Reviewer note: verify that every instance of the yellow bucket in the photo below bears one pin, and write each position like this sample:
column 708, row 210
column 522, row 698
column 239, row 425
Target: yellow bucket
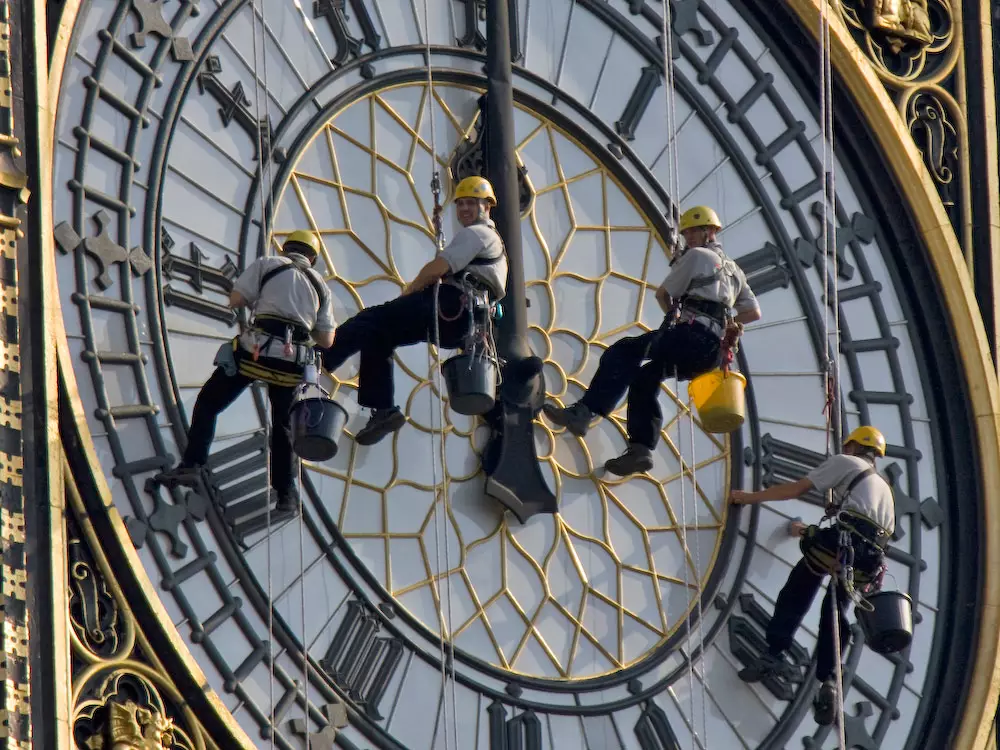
column 719, row 399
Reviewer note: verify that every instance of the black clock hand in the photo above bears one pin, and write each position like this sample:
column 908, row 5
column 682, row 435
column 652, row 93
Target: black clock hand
column 514, row 477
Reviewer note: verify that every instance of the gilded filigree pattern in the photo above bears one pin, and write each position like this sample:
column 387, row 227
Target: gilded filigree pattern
column 123, row 698
column 602, row 584
column 93, row 611
column 127, row 712
column 916, row 48
column 908, row 41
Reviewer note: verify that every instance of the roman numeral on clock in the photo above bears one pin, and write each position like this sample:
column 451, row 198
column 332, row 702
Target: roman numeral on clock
column 747, row 643
column 200, row 277
column 784, row 462
column 361, row 662
column 765, row 269
column 638, row 102
column 653, row 729
column 520, row 732
column 335, row 12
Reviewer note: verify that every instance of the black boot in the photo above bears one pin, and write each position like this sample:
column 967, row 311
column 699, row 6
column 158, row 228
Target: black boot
column 635, row 460
column 382, row 422
column 575, row 418
column 766, row 665
column 288, row 501
column 184, row 474
column 825, row 704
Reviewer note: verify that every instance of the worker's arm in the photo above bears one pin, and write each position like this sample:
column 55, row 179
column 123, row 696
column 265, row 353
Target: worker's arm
column 786, row 491
column 747, row 316
column 237, row 300
column 323, row 332
column 324, row 339
column 431, row 272
column 663, row 300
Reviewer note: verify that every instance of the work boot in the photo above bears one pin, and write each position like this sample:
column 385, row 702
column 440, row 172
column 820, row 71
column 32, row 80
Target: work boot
column 381, row 423
column 575, row 418
column 635, row 460
column 766, row 665
column 288, row 501
column 825, row 704
column 185, row 474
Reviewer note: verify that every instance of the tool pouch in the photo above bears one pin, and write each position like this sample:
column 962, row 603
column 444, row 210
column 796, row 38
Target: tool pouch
column 226, row 357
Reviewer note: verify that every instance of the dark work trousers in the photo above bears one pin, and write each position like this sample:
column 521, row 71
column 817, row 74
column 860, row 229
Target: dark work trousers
column 796, row 598
column 218, row 393
column 691, row 348
column 377, row 331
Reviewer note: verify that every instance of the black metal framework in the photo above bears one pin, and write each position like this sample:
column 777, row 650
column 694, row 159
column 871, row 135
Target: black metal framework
column 789, row 262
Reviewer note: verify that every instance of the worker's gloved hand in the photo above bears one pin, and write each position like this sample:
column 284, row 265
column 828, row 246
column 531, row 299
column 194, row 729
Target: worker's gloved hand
column 731, row 337
column 675, row 243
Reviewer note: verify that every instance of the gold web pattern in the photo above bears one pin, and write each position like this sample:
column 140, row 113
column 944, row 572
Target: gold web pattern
column 598, row 586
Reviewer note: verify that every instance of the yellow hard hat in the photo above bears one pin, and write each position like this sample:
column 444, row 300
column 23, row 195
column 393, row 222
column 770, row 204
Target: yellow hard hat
column 476, row 187
column 302, row 237
column 868, row 436
column 699, row 216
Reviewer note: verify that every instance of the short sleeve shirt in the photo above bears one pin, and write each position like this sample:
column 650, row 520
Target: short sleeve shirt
column 871, row 497
column 479, row 242
column 289, row 295
column 706, row 273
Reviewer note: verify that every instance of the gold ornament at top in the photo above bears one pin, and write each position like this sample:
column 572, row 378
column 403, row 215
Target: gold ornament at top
column 132, row 727
column 902, row 22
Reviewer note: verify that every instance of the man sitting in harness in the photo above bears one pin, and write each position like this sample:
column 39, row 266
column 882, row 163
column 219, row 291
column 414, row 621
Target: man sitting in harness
column 473, row 274
column 865, row 520
column 696, row 298
column 293, row 312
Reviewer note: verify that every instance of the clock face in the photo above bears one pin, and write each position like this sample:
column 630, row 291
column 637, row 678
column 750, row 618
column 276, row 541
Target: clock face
column 622, row 620
column 599, row 586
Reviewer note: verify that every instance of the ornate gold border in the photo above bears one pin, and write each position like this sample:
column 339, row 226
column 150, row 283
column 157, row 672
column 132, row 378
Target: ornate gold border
column 938, row 235
column 990, row 154
column 976, row 728
column 63, row 367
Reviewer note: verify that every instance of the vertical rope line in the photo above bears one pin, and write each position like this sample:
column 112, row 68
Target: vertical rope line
column 267, row 415
column 697, row 577
column 684, row 557
column 434, row 361
column 831, row 307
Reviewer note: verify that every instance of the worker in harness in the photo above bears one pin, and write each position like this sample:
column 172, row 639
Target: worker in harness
column 853, row 547
column 703, row 286
column 293, row 312
column 472, row 270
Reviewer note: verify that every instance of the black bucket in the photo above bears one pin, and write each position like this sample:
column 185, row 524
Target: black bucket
column 888, row 628
column 315, row 427
column 472, row 383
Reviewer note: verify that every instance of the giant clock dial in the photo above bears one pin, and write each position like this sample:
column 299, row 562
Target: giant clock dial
column 192, row 137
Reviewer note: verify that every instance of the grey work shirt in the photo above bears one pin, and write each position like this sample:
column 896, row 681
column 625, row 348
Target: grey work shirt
column 707, row 273
column 871, row 497
column 288, row 295
column 479, row 241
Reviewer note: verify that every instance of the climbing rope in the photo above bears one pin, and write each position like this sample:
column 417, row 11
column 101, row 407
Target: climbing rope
column 267, row 415
column 834, row 415
column 445, row 646
column 673, row 190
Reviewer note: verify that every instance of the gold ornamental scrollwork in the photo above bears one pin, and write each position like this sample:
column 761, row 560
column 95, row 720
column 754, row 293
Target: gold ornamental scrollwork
column 127, row 712
column 934, row 120
column 99, row 630
column 907, row 41
column 123, row 697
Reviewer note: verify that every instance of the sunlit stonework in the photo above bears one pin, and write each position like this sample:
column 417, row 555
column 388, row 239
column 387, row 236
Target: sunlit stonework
column 571, row 596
